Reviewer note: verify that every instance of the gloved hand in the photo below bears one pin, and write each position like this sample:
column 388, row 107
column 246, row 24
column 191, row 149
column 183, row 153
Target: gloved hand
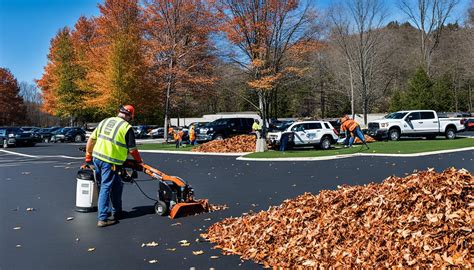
column 88, row 158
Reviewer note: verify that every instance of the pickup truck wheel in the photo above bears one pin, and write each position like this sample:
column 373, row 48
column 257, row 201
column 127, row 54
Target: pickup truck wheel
column 5, row 144
column 218, row 137
column 325, row 143
column 394, row 134
column 450, row 133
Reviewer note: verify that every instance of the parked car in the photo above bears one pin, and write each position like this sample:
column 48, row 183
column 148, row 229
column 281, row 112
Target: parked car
column 419, row 123
column 14, row 136
column 45, row 134
column 224, row 128
column 156, row 133
column 469, row 124
column 69, row 134
column 280, row 125
column 140, row 131
column 319, row 134
column 33, row 131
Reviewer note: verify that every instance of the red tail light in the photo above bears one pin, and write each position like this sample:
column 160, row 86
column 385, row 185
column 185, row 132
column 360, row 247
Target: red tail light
column 335, row 131
column 463, row 121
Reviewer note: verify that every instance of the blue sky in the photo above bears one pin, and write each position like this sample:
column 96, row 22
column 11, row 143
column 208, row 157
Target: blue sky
column 27, row 26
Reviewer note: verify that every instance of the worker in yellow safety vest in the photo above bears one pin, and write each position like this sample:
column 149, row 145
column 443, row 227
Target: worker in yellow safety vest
column 108, row 148
column 257, row 128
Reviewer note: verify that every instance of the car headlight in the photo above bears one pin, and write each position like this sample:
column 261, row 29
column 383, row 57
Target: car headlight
column 211, row 129
column 383, row 125
column 11, row 135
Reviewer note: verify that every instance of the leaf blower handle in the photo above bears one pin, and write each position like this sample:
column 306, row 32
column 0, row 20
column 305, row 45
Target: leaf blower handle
column 136, row 155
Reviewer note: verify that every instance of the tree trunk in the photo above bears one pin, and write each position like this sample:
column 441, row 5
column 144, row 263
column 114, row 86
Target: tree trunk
column 261, row 145
column 366, row 109
column 323, row 99
column 167, row 102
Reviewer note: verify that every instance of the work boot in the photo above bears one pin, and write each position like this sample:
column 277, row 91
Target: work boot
column 105, row 223
column 117, row 215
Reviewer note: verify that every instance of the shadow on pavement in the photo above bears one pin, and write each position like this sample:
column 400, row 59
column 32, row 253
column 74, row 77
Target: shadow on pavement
column 139, row 211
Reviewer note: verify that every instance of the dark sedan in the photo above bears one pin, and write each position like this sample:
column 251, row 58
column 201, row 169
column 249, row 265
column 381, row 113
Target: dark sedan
column 14, row 136
column 45, row 134
column 69, row 134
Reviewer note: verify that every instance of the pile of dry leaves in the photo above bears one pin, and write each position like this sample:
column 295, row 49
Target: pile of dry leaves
column 368, row 139
column 237, row 144
column 424, row 219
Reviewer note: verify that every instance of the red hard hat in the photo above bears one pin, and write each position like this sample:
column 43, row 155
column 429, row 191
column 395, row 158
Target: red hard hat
column 128, row 109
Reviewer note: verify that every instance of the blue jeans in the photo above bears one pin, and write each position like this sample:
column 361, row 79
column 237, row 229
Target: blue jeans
column 111, row 188
column 283, row 141
column 357, row 133
column 348, row 137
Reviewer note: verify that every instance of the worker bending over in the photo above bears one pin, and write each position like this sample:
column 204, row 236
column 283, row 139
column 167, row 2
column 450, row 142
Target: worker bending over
column 351, row 126
column 108, row 148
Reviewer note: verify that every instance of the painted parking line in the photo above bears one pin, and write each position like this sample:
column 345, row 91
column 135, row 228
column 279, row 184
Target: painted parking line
column 39, row 156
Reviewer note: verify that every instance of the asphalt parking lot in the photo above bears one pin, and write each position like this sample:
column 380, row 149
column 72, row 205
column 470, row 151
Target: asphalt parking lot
column 43, row 178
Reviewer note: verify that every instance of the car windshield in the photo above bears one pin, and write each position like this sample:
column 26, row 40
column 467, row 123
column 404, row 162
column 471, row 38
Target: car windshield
column 395, row 115
column 219, row 122
column 16, row 131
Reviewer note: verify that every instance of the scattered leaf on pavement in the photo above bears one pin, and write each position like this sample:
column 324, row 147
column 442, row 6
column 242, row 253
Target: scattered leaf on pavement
column 150, row 244
column 198, row 252
column 91, row 249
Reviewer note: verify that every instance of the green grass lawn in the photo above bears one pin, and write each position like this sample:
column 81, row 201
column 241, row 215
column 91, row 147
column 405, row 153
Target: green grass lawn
column 398, row 147
column 163, row 146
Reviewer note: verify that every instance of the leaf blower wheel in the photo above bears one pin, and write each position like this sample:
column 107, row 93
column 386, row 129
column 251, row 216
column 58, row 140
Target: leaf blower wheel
column 161, row 208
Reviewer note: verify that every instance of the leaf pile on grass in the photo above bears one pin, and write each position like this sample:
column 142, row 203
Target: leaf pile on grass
column 424, row 219
column 237, row 144
column 368, row 139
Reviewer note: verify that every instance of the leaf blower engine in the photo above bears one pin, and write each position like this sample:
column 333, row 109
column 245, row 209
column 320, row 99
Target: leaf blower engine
column 175, row 196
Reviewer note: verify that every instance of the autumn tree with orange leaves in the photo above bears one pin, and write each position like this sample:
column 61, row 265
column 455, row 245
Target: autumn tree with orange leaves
column 263, row 31
column 117, row 69
column 180, row 45
column 61, row 94
column 12, row 108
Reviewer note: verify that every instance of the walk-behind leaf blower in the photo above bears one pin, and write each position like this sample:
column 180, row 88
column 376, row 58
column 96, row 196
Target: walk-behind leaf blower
column 175, row 196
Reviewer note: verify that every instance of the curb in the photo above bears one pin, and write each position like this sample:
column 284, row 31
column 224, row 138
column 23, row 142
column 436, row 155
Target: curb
column 358, row 155
column 194, row 153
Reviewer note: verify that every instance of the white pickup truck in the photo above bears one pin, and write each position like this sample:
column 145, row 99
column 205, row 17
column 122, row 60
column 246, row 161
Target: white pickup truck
column 419, row 123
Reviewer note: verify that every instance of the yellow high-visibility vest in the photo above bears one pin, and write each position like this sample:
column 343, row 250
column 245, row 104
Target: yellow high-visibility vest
column 111, row 145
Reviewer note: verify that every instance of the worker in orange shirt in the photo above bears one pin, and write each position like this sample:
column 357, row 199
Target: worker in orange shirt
column 351, row 126
column 192, row 135
column 170, row 133
column 177, row 136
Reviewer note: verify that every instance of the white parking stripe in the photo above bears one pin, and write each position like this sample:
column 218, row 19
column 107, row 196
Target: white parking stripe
column 39, row 156
column 17, row 154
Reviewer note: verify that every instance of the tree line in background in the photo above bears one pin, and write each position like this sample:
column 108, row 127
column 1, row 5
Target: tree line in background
column 283, row 58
